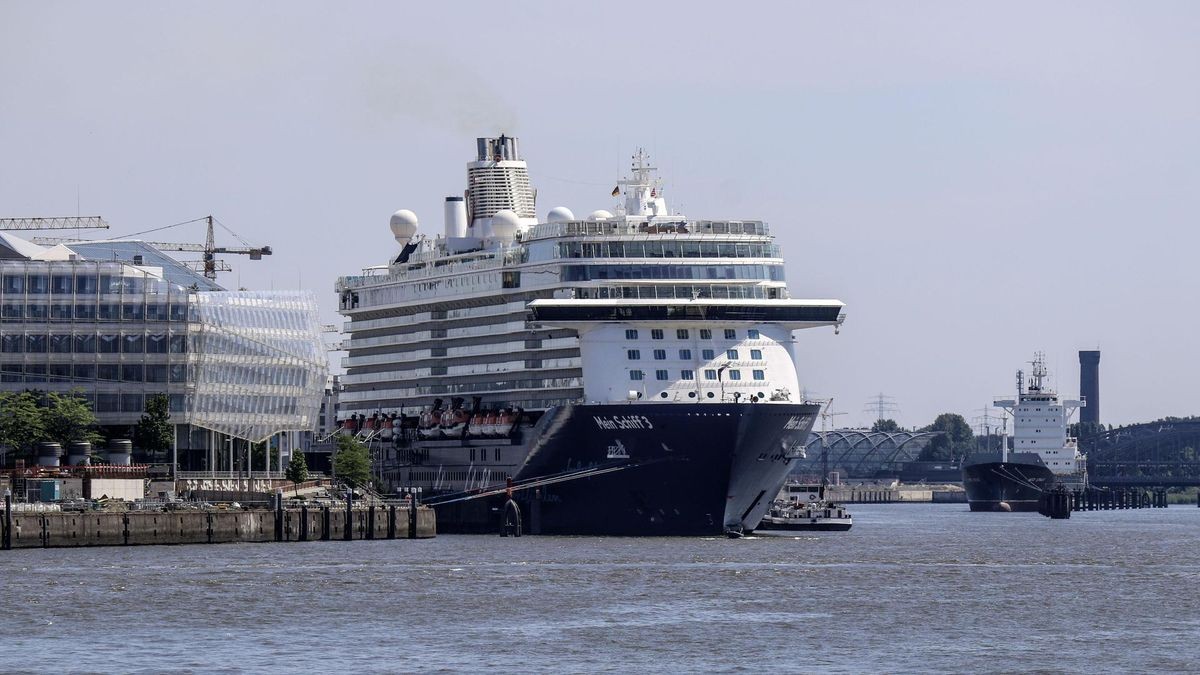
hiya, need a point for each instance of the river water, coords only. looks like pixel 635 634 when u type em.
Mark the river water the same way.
pixel 911 588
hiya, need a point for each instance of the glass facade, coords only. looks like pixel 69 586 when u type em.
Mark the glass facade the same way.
pixel 247 364
pixel 260 363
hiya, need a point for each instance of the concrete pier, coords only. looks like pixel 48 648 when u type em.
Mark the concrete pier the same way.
pixel 136 528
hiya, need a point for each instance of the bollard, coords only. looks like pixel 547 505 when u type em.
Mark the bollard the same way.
pixel 278 516
pixel 6 535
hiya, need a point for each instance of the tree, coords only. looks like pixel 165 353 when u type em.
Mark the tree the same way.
pixel 956 439
pixel 352 463
pixel 297 469
pixel 21 422
pixel 885 426
pixel 69 418
pixel 153 432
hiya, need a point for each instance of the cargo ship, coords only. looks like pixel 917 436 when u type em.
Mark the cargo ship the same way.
pixel 1043 455
pixel 629 372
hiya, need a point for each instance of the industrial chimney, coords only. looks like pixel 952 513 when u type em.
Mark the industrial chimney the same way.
pixel 1089 386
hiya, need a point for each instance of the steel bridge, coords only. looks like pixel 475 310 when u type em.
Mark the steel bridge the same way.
pixel 1155 454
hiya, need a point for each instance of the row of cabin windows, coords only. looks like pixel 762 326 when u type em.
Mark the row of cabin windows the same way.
pixel 685 334
pixel 686 354
pixel 709 374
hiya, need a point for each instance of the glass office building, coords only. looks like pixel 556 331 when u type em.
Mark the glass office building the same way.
pixel 118 321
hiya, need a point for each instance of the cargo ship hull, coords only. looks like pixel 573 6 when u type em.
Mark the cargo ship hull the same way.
pixel 1013 485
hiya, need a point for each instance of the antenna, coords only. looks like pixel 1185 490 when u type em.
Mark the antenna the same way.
pixel 881 404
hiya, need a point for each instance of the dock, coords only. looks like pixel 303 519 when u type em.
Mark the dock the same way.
pixel 64 529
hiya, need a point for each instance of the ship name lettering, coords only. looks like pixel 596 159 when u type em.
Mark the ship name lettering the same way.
pixel 623 422
pixel 796 422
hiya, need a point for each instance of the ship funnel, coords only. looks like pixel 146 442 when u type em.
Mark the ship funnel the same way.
pixel 456 217
pixel 498 180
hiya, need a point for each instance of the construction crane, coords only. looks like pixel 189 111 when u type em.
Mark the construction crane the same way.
pixel 64 223
pixel 209 265
pixel 210 249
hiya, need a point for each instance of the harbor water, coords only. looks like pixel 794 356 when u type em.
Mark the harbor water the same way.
pixel 909 588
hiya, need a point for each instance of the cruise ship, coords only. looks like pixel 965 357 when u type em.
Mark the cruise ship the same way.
pixel 630 372
pixel 1043 454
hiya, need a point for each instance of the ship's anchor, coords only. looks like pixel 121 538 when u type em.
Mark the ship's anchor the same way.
pixel 511 524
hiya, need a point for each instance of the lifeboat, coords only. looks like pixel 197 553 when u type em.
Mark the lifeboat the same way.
pixel 454 423
pixel 504 423
pixel 428 425
pixel 477 421
pixel 385 429
pixel 489 423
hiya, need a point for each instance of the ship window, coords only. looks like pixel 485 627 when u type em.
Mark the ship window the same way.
pixel 708 354
pixel 731 354
pixel 660 355
pixel 760 375
pixel 660 375
pixel 705 334
pixel 681 333
pixel 730 334
pixel 756 354
pixel 710 395
pixel 710 374
pixel 630 333
pixel 633 354
pixel 496 454
pixel 685 354
pixel 735 374
pixel 687 375
pixel 635 374
pixel 656 334
pixel 752 333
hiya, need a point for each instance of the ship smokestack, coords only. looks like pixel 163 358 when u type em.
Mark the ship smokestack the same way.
pixel 498 180
pixel 1089 386
pixel 456 217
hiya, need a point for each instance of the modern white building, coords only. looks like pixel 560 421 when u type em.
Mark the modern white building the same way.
pixel 117 321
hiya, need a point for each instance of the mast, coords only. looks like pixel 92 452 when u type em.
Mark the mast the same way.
pixel 1003 439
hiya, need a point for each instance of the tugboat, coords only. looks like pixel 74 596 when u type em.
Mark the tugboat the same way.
pixel 1043 455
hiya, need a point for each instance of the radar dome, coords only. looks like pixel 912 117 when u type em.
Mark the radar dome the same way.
pixel 404 225
pixel 559 214
pixel 599 215
pixel 505 224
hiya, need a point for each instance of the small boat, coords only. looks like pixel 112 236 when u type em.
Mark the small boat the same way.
pixel 427 426
pixel 810 516
pixel 454 423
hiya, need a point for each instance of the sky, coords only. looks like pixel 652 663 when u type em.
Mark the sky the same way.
pixel 977 181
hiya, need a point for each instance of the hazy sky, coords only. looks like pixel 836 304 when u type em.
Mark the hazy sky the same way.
pixel 976 181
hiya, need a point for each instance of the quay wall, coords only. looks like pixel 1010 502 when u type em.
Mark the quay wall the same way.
pixel 136 528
